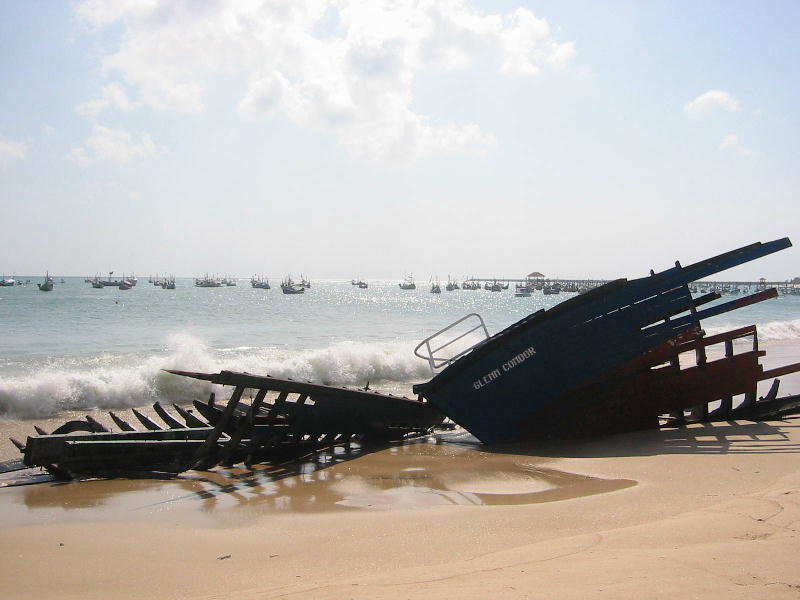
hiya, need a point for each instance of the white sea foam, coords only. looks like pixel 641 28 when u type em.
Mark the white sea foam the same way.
pixel 135 380
pixel 771 331
pixel 111 381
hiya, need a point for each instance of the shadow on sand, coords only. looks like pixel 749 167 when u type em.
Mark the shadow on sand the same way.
pixel 726 437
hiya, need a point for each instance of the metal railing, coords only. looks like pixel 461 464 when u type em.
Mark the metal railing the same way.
pixel 439 362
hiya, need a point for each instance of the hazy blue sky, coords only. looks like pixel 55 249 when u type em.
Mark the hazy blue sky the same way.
pixel 371 138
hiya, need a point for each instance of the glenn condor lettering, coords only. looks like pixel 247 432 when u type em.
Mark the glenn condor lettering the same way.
pixel 504 368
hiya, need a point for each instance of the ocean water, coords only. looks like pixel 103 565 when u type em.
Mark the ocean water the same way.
pixel 79 348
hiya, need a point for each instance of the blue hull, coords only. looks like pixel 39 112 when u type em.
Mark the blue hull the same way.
pixel 517 384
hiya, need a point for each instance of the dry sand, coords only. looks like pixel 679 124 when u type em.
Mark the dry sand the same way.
pixel 706 511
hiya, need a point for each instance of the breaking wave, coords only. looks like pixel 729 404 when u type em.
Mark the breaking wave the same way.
pixel 115 382
pixel 770 331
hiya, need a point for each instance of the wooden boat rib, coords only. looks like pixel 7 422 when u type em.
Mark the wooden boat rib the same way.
pixel 284 414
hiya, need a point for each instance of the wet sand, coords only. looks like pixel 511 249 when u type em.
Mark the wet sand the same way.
pixel 705 511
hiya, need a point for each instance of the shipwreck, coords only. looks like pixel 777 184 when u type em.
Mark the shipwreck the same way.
pixel 630 354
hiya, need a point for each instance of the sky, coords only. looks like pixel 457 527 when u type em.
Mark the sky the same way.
pixel 373 138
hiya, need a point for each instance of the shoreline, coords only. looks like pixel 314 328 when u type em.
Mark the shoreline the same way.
pixel 703 511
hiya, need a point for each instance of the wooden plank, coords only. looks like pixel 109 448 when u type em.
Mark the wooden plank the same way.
pixel 48 449
pixel 729 335
pixel 170 421
pixel 245 423
pixel 96 425
pixel 785 370
pixel 773 391
pixel 287 385
pixel 189 418
pixel 121 423
pixel 267 435
pixel 146 421
pixel 206 454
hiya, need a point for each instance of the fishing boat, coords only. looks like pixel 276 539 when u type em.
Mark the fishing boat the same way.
pixel 290 287
pixel 553 288
pixel 362 285
pixel 436 288
pixel 408 283
pixel 168 283
pixel 107 282
pixel 494 286
pixel 47 286
pixel 8 282
pixel 259 283
pixel 304 282
pixel 207 282
pixel 451 284
pixel 609 361
pixel 523 291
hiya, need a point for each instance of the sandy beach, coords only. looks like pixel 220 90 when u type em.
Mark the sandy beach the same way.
pixel 372 246
pixel 704 511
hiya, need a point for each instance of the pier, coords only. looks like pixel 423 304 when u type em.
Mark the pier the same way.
pixel 569 284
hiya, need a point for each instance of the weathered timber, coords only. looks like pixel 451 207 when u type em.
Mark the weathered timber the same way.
pixel 10 466
pixel 245 423
pixel 146 421
pixel 170 421
pixel 301 417
pixel 96 425
pixel 95 452
pixel 605 361
pixel 121 423
pixel 75 425
pixel 189 418
pixel 204 458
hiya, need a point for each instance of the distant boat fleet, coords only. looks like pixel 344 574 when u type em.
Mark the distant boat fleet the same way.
pixel 523 288
pixel 123 283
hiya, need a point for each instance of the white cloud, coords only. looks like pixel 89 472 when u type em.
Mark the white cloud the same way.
pixel 710 102
pixel 731 144
pixel 11 150
pixel 112 96
pixel 114 146
pixel 345 67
